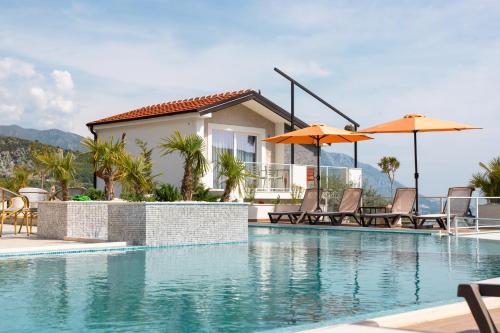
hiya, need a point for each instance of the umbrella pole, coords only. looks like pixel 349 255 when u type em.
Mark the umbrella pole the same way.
pixel 416 170
pixel 318 177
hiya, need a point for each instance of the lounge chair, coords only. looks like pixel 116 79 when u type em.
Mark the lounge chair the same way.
pixel 458 208
pixel 473 296
pixel 349 206
pixel 308 205
pixel 402 206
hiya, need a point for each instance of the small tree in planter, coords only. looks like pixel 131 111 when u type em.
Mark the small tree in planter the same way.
pixel 234 173
pixel 107 156
pixel 389 165
pixel 61 165
pixel 488 181
pixel 191 148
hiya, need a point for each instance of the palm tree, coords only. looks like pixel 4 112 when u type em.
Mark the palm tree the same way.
pixel 389 165
pixel 234 173
pixel 489 180
pixel 20 178
pixel 136 175
pixel 107 156
pixel 191 148
pixel 61 165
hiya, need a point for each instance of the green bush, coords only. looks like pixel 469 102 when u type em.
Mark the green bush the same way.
pixel 95 194
pixel 136 197
pixel 80 198
pixel 167 193
pixel 201 193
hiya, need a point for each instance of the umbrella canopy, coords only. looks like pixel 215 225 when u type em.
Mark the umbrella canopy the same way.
pixel 417 123
pixel 318 135
pixel 414 123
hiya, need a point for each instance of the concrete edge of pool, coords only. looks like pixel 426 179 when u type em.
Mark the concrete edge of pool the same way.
pixel 410 321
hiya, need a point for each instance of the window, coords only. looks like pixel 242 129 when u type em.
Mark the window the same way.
pixel 243 146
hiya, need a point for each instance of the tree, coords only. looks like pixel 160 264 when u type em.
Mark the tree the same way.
pixel 389 165
pixel 234 173
pixel 20 179
pixel 61 165
pixel 191 148
pixel 489 180
pixel 107 156
pixel 136 175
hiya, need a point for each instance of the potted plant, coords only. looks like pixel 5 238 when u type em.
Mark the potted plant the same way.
pixel 488 182
pixel 296 193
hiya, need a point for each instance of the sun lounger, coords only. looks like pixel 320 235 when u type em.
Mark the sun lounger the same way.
pixel 402 206
pixel 349 206
pixel 473 294
pixel 308 205
pixel 458 208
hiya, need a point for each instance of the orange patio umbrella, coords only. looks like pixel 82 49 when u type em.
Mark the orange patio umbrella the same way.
pixel 414 123
pixel 318 135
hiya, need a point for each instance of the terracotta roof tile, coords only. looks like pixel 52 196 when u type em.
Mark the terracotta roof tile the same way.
pixel 192 104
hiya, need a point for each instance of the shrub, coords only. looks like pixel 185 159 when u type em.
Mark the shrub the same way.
pixel 167 193
pixel 95 194
pixel 201 193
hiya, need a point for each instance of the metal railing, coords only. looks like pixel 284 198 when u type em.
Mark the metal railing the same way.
pixel 484 214
pixel 279 177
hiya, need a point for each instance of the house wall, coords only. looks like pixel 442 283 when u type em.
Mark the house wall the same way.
pixel 152 131
pixel 240 115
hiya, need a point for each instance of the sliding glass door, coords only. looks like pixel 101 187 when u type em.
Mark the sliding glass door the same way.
pixel 243 146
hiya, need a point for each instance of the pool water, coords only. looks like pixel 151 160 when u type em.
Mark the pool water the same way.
pixel 282 279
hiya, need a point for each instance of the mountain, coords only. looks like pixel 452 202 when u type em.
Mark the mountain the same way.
pixel 53 137
pixel 375 178
pixel 15 152
pixel 371 176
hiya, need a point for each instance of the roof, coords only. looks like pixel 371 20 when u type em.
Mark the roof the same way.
pixel 203 105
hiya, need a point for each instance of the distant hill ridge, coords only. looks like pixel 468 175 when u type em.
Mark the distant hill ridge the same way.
pixel 371 175
pixel 53 137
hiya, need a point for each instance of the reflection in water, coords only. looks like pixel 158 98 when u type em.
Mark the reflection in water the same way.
pixel 281 278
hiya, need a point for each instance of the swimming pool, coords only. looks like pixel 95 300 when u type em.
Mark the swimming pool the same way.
pixel 282 279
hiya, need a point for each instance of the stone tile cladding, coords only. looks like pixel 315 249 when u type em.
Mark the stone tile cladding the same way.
pixel 150 223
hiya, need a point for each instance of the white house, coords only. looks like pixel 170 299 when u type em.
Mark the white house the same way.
pixel 237 121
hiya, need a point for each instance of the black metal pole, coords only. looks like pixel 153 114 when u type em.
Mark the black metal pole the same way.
pixel 292 120
pixel 416 169
pixel 355 149
pixel 318 177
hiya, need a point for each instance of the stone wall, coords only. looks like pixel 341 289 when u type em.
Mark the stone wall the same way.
pixel 150 223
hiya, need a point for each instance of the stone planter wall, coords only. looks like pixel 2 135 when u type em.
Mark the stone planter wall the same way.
pixel 258 212
pixel 145 223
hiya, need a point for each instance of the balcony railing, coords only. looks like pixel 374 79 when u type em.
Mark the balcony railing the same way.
pixel 276 177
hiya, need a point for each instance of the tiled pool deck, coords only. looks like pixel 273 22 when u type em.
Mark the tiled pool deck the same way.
pixel 22 244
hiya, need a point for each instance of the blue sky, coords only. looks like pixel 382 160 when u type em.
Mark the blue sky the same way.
pixel 64 63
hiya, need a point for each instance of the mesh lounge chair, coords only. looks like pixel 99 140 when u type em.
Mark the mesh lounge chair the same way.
pixel 349 206
pixel 473 296
pixel 402 206
pixel 458 208
pixel 308 205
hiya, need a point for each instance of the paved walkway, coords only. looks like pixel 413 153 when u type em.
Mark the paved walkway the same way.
pixel 21 243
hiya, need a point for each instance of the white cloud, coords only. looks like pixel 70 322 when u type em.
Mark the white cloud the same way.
pixel 12 67
pixel 62 104
pixel 27 95
pixel 63 80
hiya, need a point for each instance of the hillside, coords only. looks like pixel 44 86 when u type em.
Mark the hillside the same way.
pixel 371 175
pixel 52 137
pixel 17 152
